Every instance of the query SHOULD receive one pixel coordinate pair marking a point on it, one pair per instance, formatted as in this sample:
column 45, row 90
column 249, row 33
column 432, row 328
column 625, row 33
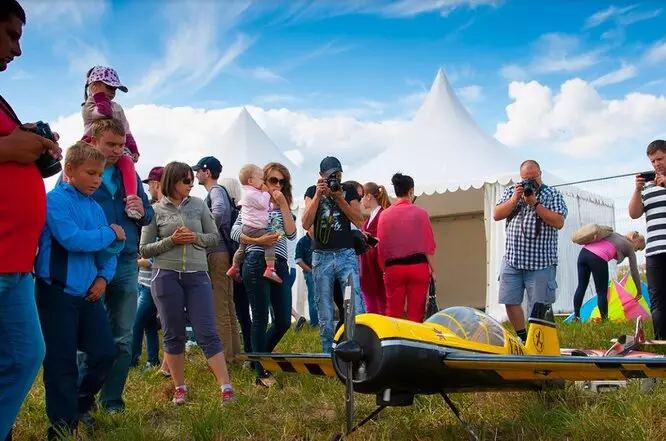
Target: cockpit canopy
column 470, row 324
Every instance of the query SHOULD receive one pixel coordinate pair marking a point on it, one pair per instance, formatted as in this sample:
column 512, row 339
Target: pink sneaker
column 234, row 273
column 228, row 396
column 180, row 396
column 270, row 274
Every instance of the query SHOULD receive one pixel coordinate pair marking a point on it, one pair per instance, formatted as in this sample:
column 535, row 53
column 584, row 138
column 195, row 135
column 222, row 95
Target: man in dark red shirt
column 22, row 217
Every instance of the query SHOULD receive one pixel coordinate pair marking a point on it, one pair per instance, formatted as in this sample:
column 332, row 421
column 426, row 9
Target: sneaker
column 266, row 380
column 180, row 396
column 233, row 272
column 301, row 322
column 228, row 396
column 270, row 274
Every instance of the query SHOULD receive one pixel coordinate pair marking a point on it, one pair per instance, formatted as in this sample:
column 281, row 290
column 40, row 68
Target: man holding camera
column 650, row 198
column 330, row 209
column 22, row 348
column 534, row 213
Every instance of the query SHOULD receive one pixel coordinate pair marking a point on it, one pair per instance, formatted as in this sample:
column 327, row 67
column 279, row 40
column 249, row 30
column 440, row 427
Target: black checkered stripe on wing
column 312, row 365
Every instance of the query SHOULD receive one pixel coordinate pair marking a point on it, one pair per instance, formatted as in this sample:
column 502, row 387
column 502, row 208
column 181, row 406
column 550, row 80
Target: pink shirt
column 404, row 230
column 255, row 205
column 602, row 248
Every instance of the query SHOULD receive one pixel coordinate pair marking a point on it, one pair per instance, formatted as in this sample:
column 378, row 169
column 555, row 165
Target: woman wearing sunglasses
column 261, row 292
column 180, row 277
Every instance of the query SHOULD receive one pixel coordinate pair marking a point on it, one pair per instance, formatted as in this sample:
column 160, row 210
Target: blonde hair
column 247, row 171
column 233, row 187
column 378, row 192
column 100, row 126
column 638, row 238
column 80, row 152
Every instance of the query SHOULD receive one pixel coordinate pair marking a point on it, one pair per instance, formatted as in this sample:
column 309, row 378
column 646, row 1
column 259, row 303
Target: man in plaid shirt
column 530, row 259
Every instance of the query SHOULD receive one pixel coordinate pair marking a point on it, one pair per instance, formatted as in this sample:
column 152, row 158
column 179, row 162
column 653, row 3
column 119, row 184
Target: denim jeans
column 120, row 304
column 145, row 321
column 21, row 345
column 327, row 267
column 312, row 303
column 72, row 323
column 242, row 304
column 261, row 293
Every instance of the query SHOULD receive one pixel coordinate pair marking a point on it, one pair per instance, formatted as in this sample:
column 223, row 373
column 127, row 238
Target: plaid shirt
column 524, row 248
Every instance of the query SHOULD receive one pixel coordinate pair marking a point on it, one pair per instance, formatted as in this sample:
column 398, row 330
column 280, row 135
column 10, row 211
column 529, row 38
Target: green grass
column 309, row 408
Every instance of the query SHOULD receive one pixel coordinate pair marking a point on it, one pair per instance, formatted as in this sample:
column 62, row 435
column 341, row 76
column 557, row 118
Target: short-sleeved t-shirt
column 332, row 229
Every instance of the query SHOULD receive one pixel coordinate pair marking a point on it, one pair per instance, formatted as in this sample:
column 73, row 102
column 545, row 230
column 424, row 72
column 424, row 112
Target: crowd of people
column 95, row 264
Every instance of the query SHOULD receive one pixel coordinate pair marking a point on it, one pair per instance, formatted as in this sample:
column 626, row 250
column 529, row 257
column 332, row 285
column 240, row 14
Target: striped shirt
column 654, row 206
column 146, row 275
column 275, row 224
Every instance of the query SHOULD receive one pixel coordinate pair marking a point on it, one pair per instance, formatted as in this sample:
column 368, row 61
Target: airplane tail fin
column 626, row 343
column 542, row 338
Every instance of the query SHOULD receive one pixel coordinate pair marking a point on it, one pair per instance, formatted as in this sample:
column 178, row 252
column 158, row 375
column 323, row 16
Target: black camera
column 529, row 186
column 333, row 183
column 47, row 164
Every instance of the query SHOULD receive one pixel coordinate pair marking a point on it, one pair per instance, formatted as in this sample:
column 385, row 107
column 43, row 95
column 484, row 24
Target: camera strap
column 9, row 111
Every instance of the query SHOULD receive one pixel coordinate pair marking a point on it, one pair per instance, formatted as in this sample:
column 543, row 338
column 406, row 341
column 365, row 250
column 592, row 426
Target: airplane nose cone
column 349, row 351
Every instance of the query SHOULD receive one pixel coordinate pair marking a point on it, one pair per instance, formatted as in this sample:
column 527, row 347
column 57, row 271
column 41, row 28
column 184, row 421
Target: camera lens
column 48, row 165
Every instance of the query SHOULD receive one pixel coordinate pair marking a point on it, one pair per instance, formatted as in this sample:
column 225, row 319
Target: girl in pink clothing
column 593, row 260
column 255, row 205
column 100, row 90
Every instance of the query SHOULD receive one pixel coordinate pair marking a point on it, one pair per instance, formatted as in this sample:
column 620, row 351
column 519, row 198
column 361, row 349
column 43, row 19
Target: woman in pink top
column 593, row 259
column 406, row 252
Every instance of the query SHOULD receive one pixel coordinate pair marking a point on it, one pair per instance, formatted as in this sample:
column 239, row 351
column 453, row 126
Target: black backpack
column 231, row 245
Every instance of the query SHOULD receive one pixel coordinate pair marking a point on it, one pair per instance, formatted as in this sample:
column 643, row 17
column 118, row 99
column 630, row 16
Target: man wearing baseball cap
column 153, row 181
column 208, row 171
column 331, row 208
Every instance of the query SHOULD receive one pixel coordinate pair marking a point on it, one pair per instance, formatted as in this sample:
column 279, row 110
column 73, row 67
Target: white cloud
column 275, row 99
column 20, row 74
column 84, row 57
column 656, row 53
column 411, row 8
column 63, row 13
column 624, row 73
column 604, row 15
column 513, row 72
column 471, row 94
column 193, row 57
column 165, row 134
column 265, row 74
column 577, row 120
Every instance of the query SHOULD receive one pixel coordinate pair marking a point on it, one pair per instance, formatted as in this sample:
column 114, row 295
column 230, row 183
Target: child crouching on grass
column 76, row 259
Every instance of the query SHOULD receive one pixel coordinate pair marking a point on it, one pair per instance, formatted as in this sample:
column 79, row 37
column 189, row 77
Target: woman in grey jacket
column 593, row 259
column 180, row 278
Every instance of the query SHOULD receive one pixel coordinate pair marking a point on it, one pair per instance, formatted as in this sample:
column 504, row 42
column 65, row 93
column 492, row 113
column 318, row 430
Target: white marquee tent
column 460, row 172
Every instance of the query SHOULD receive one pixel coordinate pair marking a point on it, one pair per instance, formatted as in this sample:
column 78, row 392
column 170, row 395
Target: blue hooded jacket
column 113, row 206
column 77, row 245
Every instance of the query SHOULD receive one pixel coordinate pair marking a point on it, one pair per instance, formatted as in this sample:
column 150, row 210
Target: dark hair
column 530, row 161
column 378, row 192
column 11, row 8
column 356, row 185
column 85, row 87
column 174, row 172
column 402, row 184
column 655, row 146
column 286, row 188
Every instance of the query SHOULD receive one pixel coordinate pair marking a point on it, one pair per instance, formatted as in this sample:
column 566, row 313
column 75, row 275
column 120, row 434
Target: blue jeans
column 120, row 304
column 263, row 293
column 327, row 267
column 21, row 345
column 312, row 303
column 242, row 304
column 72, row 323
column 145, row 320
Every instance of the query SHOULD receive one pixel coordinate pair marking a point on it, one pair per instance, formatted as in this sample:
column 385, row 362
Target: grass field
column 309, row 408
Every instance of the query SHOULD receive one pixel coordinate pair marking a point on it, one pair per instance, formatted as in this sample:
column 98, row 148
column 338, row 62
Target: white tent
column 460, row 173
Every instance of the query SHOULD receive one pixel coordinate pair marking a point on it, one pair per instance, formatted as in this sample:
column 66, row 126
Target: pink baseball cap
column 106, row 75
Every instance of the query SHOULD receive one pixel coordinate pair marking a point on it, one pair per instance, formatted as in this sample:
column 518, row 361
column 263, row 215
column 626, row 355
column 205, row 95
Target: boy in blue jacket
column 76, row 259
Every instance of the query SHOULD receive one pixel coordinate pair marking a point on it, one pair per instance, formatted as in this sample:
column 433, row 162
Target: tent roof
column 245, row 142
column 443, row 148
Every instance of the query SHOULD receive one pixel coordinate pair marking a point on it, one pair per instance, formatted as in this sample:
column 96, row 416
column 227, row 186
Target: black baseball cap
column 209, row 163
column 330, row 165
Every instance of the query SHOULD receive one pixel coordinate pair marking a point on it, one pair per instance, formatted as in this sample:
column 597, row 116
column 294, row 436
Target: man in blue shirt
column 108, row 136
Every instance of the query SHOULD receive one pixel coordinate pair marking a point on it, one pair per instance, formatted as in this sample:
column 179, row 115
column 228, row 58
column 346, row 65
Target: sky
column 578, row 85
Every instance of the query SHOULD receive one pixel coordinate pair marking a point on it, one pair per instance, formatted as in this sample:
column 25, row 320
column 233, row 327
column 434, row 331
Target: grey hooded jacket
column 192, row 213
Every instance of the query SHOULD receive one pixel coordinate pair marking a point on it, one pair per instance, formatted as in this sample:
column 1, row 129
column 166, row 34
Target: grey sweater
column 192, row 213
column 625, row 248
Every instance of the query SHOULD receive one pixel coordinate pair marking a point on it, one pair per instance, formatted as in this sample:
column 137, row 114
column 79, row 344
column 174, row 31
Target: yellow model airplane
column 459, row 349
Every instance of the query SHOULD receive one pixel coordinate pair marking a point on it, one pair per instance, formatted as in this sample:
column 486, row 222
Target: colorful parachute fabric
column 622, row 303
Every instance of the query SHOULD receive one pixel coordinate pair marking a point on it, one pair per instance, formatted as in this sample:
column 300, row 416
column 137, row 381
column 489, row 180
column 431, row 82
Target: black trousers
column 656, row 279
column 590, row 263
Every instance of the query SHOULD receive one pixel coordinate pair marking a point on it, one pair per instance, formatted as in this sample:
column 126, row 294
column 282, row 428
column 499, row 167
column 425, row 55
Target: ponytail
column 379, row 193
column 85, row 88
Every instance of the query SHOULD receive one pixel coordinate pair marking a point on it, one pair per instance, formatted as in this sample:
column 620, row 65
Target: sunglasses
column 187, row 181
column 275, row 181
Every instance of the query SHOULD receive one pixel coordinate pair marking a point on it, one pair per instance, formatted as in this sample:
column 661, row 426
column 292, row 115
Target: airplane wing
column 313, row 364
column 574, row 368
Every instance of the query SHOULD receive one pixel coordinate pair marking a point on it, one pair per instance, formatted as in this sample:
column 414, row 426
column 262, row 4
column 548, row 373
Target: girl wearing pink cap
column 100, row 90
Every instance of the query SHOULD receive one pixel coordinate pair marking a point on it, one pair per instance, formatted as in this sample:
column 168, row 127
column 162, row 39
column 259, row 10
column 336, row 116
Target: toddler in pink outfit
column 255, row 205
